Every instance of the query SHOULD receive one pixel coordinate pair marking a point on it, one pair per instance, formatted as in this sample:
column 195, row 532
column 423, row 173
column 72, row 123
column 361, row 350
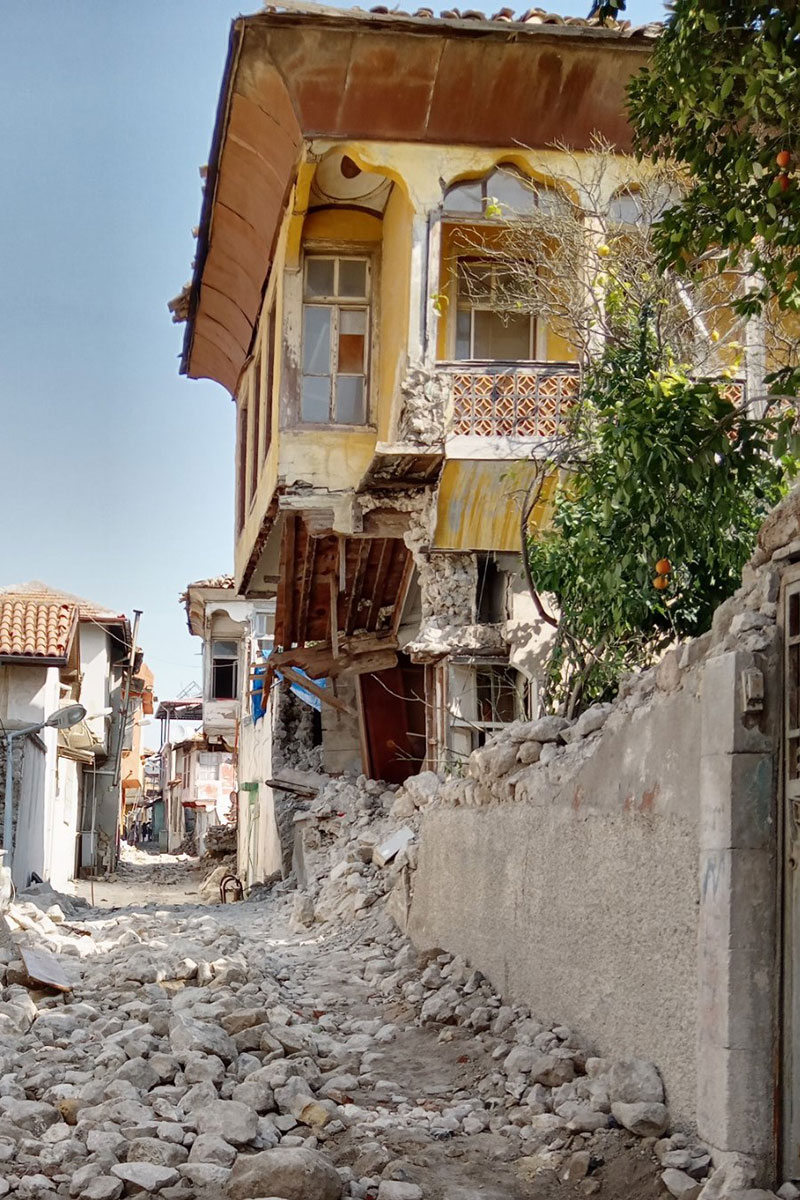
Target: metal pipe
column 127, row 697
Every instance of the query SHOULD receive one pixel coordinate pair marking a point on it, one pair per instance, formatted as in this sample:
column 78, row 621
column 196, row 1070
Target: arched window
column 504, row 192
column 633, row 206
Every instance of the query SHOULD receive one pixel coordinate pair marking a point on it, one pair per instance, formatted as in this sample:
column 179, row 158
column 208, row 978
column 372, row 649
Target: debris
column 383, row 854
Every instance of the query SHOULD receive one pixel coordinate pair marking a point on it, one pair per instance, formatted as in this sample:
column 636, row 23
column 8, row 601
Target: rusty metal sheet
column 294, row 76
column 44, row 967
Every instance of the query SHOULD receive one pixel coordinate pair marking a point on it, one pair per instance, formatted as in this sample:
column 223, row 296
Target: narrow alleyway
column 199, row 1036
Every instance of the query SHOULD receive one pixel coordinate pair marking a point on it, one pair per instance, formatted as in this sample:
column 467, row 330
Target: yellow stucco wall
column 394, row 306
column 479, row 504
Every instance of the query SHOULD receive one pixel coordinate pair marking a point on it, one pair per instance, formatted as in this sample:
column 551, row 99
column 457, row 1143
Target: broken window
column 335, row 340
column 482, row 697
column 489, row 324
column 491, row 592
column 224, row 670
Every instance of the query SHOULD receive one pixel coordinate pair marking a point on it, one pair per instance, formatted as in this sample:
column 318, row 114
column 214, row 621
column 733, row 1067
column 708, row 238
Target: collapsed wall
column 621, row 871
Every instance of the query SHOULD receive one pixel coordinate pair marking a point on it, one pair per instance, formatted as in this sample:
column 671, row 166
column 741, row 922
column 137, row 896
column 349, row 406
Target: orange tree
column 666, row 485
column 721, row 98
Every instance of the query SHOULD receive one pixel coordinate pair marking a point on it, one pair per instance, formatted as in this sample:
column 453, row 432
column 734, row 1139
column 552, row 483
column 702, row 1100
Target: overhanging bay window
column 335, row 354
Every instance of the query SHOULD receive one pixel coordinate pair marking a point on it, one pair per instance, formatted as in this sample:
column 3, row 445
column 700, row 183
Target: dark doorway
column 393, row 708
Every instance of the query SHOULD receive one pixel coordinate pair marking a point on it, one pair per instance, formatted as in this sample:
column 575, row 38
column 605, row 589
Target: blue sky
column 117, row 474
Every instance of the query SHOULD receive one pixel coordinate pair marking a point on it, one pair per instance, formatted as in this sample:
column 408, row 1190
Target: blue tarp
column 259, row 700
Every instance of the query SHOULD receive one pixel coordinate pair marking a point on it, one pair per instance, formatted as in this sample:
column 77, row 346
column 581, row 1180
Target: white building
column 236, row 633
column 56, row 648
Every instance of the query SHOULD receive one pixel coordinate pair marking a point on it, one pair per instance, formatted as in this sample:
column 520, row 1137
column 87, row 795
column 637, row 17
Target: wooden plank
column 304, row 584
column 402, row 592
column 354, row 593
column 342, row 563
column 334, row 594
column 323, row 694
column 363, row 740
column 382, row 570
column 285, row 597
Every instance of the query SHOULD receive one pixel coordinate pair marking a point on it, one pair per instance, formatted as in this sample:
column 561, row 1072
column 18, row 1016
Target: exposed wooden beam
column 354, row 591
column 356, row 656
column 305, row 583
column 284, row 605
column 385, row 556
column 402, row 592
column 324, row 695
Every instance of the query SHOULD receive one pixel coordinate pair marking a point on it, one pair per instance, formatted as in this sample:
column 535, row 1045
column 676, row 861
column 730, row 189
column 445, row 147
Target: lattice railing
column 494, row 399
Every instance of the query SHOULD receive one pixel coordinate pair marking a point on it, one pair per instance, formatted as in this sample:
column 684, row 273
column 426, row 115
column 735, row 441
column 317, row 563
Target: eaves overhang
column 291, row 76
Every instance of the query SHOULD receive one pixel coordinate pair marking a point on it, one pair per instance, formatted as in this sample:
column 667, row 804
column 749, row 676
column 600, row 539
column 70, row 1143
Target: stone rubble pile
column 358, row 845
column 199, row 1056
column 522, row 758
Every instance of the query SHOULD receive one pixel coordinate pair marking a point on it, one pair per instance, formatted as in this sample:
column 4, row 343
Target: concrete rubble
column 204, row 1052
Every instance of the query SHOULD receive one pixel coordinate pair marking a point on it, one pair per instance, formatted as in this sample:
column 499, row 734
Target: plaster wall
column 582, row 900
column 95, row 661
column 25, row 693
column 259, row 851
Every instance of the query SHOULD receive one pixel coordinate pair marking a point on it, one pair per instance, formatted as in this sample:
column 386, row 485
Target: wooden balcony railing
column 505, row 399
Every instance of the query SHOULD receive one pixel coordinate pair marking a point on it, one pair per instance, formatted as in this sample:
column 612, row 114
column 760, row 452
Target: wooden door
column 393, row 711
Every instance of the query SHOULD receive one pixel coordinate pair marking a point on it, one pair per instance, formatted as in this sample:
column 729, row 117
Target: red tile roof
column 35, row 590
column 35, row 628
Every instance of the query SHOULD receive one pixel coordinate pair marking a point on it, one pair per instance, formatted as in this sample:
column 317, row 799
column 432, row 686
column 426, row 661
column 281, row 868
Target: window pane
column 464, row 198
column 353, row 278
column 474, row 280
column 316, row 398
column 319, row 276
column 463, row 329
column 511, row 193
column 316, row 340
column 502, row 337
column 350, row 399
column 224, row 649
column 352, row 341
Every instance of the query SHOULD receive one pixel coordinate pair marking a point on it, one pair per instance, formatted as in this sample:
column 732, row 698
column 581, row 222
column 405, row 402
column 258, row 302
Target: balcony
column 507, row 399
column 522, row 400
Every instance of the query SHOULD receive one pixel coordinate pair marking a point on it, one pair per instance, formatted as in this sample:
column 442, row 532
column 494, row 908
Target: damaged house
column 387, row 409
column 389, row 415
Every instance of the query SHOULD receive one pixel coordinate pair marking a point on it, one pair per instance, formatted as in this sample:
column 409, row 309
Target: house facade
column 389, row 413
column 57, row 649
column 237, row 637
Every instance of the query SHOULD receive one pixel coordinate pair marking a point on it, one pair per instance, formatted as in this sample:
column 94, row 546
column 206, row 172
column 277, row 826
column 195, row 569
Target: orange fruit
column 783, row 180
column 783, row 158
column 663, row 566
column 660, row 582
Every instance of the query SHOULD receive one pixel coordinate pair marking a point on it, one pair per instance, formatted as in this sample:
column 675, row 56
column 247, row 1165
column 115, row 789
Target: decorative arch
column 506, row 187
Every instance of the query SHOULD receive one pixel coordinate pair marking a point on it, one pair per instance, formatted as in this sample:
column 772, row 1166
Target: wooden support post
column 334, row 615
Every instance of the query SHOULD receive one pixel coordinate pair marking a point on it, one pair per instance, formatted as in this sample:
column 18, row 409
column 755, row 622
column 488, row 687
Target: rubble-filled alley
column 247, row 1050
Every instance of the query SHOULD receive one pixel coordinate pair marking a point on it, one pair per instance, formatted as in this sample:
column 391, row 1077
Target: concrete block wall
column 631, row 893
column 582, row 901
